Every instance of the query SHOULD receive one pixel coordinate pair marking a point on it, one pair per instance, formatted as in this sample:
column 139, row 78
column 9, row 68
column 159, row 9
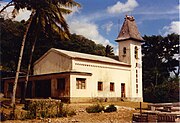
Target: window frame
column 80, row 83
column 112, row 86
column 100, row 86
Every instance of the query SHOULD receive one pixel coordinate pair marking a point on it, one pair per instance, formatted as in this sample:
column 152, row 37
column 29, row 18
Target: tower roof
column 129, row 30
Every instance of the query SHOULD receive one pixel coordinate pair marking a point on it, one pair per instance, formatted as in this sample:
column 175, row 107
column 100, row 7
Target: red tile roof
column 129, row 30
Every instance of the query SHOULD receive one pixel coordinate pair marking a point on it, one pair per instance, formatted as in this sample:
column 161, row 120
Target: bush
column 110, row 108
column 95, row 108
column 43, row 108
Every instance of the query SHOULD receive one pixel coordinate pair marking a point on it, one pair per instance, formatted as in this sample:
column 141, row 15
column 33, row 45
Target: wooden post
column 141, row 111
column 140, row 108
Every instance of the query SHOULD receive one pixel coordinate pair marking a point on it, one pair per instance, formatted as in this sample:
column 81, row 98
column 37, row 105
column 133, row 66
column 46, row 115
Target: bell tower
column 129, row 41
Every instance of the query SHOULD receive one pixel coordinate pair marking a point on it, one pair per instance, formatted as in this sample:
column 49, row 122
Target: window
column 123, row 90
column 80, row 83
column 124, row 51
column 111, row 86
column 100, row 86
column 136, row 81
column 61, row 84
column 136, row 74
column 136, row 52
column 136, row 88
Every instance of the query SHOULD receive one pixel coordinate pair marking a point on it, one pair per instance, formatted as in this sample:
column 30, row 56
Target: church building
column 79, row 77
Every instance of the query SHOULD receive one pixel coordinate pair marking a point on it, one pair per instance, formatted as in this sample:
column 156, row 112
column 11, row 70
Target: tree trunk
column 9, row 4
column 29, row 64
column 20, row 58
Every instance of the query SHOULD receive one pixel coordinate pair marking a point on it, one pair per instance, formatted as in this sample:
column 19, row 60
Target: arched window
column 124, row 51
column 136, row 52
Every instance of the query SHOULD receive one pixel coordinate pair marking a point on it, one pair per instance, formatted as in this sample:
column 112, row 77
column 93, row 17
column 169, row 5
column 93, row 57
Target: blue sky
column 100, row 20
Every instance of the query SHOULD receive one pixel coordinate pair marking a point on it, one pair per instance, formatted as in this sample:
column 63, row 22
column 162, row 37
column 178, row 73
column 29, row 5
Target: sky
column 100, row 20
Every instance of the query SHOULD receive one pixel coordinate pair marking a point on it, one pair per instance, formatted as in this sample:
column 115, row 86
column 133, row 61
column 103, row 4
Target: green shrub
column 110, row 108
column 43, row 108
column 65, row 111
column 95, row 108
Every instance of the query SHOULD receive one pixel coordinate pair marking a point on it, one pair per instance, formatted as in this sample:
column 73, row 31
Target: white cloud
column 82, row 25
column 107, row 27
column 88, row 30
column 174, row 27
column 119, row 7
column 7, row 13
column 178, row 7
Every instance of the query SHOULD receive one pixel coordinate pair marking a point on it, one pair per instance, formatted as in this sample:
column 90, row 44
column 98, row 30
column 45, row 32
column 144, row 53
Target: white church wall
column 52, row 63
column 136, row 64
column 101, row 72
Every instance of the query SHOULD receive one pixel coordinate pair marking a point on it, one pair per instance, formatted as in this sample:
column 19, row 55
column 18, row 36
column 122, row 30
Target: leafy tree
column 11, row 35
column 171, row 53
column 158, row 58
column 165, row 92
column 100, row 49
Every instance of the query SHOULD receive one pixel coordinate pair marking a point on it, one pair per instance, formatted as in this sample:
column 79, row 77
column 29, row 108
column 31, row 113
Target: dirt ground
column 123, row 114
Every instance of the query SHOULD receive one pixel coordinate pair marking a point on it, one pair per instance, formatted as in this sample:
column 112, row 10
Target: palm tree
column 109, row 50
column 47, row 16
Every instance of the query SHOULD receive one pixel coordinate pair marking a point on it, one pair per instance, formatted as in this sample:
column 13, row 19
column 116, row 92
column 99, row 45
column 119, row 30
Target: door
column 123, row 90
column 43, row 88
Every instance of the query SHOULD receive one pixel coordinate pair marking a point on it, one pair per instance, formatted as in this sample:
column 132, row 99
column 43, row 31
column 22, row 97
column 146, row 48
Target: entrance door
column 43, row 88
column 123, row 90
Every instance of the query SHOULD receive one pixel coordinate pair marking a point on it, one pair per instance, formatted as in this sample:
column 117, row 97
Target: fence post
column 141, row 111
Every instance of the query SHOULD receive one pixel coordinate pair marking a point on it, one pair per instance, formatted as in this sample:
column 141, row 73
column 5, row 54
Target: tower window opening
column 136, row 52
column 124, row 51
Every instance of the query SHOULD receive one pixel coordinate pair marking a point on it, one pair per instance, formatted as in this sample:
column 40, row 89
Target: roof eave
column 125, row 39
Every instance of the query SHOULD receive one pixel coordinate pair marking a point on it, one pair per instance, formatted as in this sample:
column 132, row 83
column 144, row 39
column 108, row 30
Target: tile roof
column 129, row 30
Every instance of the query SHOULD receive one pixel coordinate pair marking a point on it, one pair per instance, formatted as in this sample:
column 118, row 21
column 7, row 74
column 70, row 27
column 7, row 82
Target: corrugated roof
column 129, row 30
column 77, row 55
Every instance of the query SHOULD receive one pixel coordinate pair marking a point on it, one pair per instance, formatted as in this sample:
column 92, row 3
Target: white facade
column 103, row 69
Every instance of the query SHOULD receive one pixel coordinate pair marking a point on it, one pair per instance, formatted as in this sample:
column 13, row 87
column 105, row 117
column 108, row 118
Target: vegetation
column 95, row 108
column 161, row 68
column 110, row 108
column 99, row 108
column 159, row 59
column 165, row 92
column 39, row 109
